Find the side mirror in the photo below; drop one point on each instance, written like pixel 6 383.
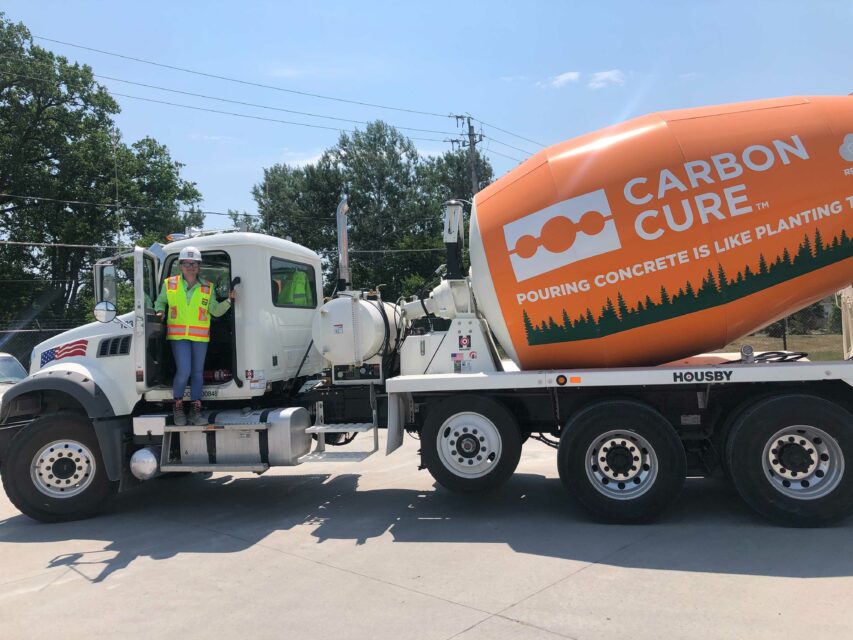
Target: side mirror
pixel 105 311
pixel 105 283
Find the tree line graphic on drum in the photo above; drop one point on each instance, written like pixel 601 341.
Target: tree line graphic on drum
pixel 715 289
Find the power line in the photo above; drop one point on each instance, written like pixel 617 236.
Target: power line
pixel 58 244
pixel 251 117
pixel 506 144
pixel 515 135
pixel 109 205
pixel 220 99
pixel 112 205
pixel 503 155
pixel 101 246
pixel 246 82
pixel 394 250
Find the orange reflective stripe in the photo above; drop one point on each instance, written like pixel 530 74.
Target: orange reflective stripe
pixel 172 283
pixel 174 312
pixel 173 329
pixel 201 332
pixel 202 314
pixel 205 289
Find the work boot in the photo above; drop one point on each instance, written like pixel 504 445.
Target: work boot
pixel 180 418
pixel 195 416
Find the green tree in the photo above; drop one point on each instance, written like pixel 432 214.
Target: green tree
pixel 395 199
pixel 59 152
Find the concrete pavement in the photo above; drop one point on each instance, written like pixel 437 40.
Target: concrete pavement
pixel 375 550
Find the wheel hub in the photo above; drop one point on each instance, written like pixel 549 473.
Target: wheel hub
pixel 621 465
pixel 795 457
pixel 803 462
pixel 469 445
pixel 620 460
pixel 63 469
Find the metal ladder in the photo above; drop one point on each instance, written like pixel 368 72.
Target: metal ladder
pixel 321 454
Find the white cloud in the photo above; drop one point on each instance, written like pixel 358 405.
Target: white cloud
pixel 556 82
pixel 601 79
pixel 300 158
pixel 287 72
pixel 210 138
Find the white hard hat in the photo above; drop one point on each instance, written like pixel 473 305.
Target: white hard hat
pixel 190 253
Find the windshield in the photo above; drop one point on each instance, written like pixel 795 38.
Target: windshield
pixel 11 370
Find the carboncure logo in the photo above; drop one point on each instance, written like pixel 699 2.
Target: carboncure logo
pixel 582 227
pixel 567 232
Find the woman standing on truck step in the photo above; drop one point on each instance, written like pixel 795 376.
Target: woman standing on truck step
pixel 191 303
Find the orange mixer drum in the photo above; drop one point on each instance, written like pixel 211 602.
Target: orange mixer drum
pixel 667 235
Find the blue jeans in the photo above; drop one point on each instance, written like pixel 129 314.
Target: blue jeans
pixel 189 365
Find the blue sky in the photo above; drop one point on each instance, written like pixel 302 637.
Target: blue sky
pixel 548 71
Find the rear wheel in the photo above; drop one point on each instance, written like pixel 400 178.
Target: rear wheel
pixel 54 470
pixel 622 460
pixel 790 457
pixel 470 443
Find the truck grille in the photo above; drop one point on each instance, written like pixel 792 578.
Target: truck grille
pixel 114 347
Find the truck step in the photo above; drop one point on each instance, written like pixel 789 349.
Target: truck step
pixel 215 427
pixel 336 456
pixel 217 468
pixel 343 427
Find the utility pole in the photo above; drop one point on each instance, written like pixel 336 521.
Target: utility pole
pixel 473 139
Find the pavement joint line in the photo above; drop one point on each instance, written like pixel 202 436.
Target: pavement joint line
pixel 43 572
pixel 344 570
pixel 573 574
pixel 521 622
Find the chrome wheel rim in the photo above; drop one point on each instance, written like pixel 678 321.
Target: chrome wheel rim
pixel 63 469
pixel 621 465
pixel 803 462
pixel 469 445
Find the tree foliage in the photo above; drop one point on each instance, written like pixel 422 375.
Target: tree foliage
pixel 395 198
pixel 58 143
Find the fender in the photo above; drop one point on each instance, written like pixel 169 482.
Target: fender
pixel 108 428
pixel 72 383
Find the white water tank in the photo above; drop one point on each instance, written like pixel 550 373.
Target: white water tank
pixel 350 329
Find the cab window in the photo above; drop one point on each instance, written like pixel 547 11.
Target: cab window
pixel 293 284
pixel 215 268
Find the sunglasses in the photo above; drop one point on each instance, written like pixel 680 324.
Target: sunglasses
pixel 189 264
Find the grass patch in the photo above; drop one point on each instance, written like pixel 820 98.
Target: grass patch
pixel 819 347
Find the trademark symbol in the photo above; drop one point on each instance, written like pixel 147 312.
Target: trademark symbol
pixel 763 205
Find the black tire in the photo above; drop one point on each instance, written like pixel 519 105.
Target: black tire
pixel 489 434
pixel 649 463
pixel 819 491
pixel 93 491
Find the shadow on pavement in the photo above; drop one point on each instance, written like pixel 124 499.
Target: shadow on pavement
pixel 707 530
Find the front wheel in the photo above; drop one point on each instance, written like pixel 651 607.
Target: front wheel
pixel 790 458
pixel 470 443
pixel 622 460
pixel 54 471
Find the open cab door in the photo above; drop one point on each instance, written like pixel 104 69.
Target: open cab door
pixel 149 334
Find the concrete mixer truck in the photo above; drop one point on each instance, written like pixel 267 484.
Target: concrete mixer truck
pixel 599 269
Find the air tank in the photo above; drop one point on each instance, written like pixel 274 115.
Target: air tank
pixel 668 235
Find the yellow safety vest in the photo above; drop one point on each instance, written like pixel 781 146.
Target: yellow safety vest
pixel 187 320
pixel 296 290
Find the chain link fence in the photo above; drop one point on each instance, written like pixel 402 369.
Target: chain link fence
pixel 815 330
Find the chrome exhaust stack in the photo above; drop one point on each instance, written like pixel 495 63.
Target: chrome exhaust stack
pixel 344 275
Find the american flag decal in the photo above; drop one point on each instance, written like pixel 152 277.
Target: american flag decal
pixel 76 348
